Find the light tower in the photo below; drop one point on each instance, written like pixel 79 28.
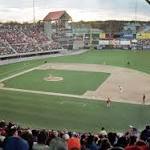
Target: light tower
pixel 33 11
pixel 148 1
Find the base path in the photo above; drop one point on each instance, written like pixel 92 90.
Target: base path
pixel 1 85
pixel 123 84
pixel 17 74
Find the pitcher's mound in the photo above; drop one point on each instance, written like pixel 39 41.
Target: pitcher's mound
pixel 53 78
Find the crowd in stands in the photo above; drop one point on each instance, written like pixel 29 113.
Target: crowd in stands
pixel 13 137
pixel 24 38
pixel 5 50
pixel 35 32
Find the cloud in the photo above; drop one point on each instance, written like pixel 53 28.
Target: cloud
pixel 21 10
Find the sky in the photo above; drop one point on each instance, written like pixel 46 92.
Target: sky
pixel 87 10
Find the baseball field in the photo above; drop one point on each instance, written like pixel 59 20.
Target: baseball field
pixel 70 92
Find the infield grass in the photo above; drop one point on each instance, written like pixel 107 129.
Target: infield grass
pixel 74 82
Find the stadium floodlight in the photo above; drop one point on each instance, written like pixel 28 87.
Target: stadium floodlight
pixel 148 1
pixel 33 11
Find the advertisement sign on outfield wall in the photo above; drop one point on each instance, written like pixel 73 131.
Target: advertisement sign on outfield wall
pixel 143 36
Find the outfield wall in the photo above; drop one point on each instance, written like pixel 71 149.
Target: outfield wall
pixel 20 59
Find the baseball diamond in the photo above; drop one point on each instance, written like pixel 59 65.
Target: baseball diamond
pixel 85 84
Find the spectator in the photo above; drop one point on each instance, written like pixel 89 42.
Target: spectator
pixel 74 143
pixel 14 142
pixel 105 144
pixel 57 143
pixel 145 134
pixel 17 138
pixel 41 141
pixel 103 132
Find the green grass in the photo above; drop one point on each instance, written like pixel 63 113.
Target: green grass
pixel 55 112
pixel 77 114
pixel 11 69
pixel 139 60
pixel 74 82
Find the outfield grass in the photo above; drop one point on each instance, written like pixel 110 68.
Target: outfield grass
pixel 77 114
pixel 74 82
pixel 139 60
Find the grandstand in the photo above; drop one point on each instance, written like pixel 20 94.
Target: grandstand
pixel 24 39
pixel 47 37
pixel 56 32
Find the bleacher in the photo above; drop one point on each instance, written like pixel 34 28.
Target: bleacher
pixel 24 38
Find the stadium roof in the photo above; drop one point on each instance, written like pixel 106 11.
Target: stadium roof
pixel 56 15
